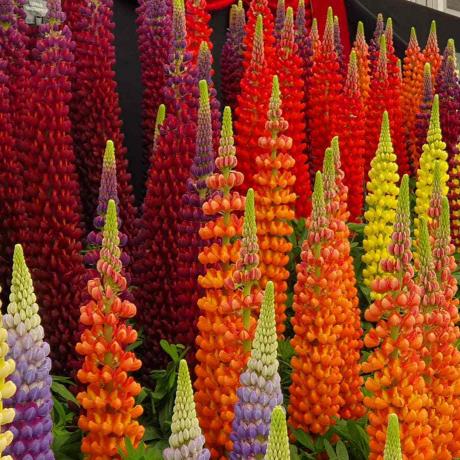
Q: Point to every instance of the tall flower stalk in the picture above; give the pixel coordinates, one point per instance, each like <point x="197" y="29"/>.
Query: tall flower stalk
<point x="32" y="402"/>
<point x="109" y="411"/>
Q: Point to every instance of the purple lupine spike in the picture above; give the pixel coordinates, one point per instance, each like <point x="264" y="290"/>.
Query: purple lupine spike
<point x="190" y="244"/>
<point x="107" y="191"/>
<point x="280" y="18"/>
<point x="339" y="46"/>
<point x="205" y="73"/>
<point x="32" y="402"/>
<point x="154" y="36"/>
<point x="301" y="20"/>
<point x="55" y="13"/>
<point x="232" y="56"/>
<point x="423" y="115"/>
<point x="7" y="11"/>
<point x="260" y="390"/>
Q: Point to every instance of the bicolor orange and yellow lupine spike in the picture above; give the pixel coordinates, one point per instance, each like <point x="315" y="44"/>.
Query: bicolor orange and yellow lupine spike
<point x="275" y="203"/>
<point x="395" y="366"/>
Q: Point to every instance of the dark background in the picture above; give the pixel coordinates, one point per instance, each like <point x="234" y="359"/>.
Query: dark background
<point x="405" y="15"/>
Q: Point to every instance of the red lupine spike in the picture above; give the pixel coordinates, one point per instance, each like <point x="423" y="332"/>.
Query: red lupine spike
<point x="386" y="94"/>
<point x="52" y="232"/>
<point x="412" y="94"/>
<point x="197" y="24"/>
<point x="155" y="260"/>
<point x="352" y="134"/>
<point x="154" y="36"/>
<point x="95" y="110"/>
<point x="289" y="65"/>
<point x="252" y="105"/>
<point x="431" y="52"/>
<point x="324" y="98"/>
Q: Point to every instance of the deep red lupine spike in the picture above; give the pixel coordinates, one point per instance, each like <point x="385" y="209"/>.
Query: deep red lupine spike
<point x="154" y="35"/>
<point x="95" y="110"/>
<point x="52" y="231"/>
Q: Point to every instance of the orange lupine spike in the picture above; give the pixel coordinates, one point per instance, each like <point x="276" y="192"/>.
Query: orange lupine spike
<point x="432" y="54"/>
<point x="440" y="353"/>
<point x="412" y="93"/>
<point x="219" y="353"/>
<point x="395" y="365"/>
<point x="275" y="201"/>
<point x="362" y="57"/>
<point x="336" y="197"/>
<point x="109" y="409"/>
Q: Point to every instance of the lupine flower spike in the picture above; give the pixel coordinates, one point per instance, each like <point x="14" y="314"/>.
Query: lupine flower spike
<point x="253" y="104"/>
<point x="216" y="373"/>
<point x="336" y="194"/>
<point x="107" y="191"/>
<point x="339" y="46"/>
<point x="393" y="443"/>
<point x="362" y="57"/>
<point x="374" y="44"/>
<point x="275" y="200"/>
<point x="423" y="117"/>
<point x="232" y="69"/>
<point x="159" y="120"/>
<point x="32" y="403"/>
<point x="186" y="441"/>
<point x="396" y="384"/>
<point x="260" y="389"/>
<point x="432" y="54"/>
<point x="278" y="441"/>
<point x="291" y="85"/>
<point x="442" y="372"/>
<point x="109" y="412"/>
<point x="412" y="93"/>
<point x="315" y="398"/>
<point x="154" y="36"/>
<point x="434" y="150"/>
<point x="279" y="19"/>
<point x="381" y="201"/>
<point x="182" y="327"/>
<point x="197" y="23"/>
<point x="7" y="391"/>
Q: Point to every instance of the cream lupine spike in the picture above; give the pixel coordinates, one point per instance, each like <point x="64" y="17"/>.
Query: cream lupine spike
<point x="434" y="150"/>
<point x="7" y="390"/>
<point x="278" y="441"/>
<point x="381" y="201"/>
<point x="186" y="440"/>
<point x="393" y="443"/>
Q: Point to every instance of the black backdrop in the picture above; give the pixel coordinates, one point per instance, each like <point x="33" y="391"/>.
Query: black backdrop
<point x="405" y="15"/>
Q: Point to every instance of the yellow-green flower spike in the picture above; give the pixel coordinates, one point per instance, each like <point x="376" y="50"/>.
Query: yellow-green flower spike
<point x="186" y="440"/>
<point x="258" y="53"/>
<point x="161" y="115"/>
<point x="382" y="62"/>
<point x="329" y="182"/>
<point x="249" y="226"/>
<point x="413" y="41"/>
<point x="318" y="213"/>
<point x="434" y="150"/>
<point x="423" y="243"/>
<point x="7" y="390"/>
<point x="314" y="32"/>
<point x="360" y="31"/>
<point x="381" y="201"/>
<point x="393" y="443"/>
<point x="278" y="441"/>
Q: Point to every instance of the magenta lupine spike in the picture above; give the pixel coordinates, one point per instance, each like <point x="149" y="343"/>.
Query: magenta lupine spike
<point x="154" y="36"/>
<point x="183" y="327"/>
<point x="232" y="57"/>
<point x="205" y="73"/>
<point x="301" y="20"/>
<point x="423" y="115"/>
<point x="155" y="259"/>
<point x="107" y="191"/>
<point x="280" y="18"/>
<point x="374" y="44"/>
<point x="32" y="425"/>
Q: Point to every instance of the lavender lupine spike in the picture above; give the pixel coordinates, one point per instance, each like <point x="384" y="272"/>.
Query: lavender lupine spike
<point x="260" y="389"/>
<point x="7" y="390"/>
<point x="186" y="441"/>
<point x="449" y="51"/>
<point x="32" y="425"/>
<point x="278" y="441"/>
<point x="301" y="20"/>
<point x="107" y="191"/>
<point x="280" y="18"/>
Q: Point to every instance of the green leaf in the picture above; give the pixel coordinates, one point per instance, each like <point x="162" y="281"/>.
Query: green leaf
<point x="342" y="453"/>
<point x="63" y="392"/>
<point x="304" y="439"/>
<point x="171" y="350"/>
<point x="330" y="450"/>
